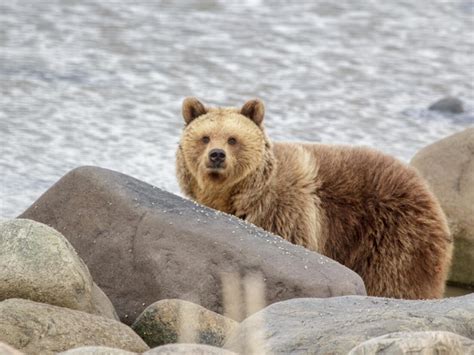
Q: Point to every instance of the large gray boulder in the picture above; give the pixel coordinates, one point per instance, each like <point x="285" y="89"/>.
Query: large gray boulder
<point x="416" y="343"/>
<point x="39" y="264"/>
<point x="178" y="321"/>
<point x="448" y="166"/>
<point x="38" y="328"/>
<point x="143" y="244"/>
<point x="336" y="325"/>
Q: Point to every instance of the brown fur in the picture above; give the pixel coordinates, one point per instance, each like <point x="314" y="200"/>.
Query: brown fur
<point x="360" y="207"/>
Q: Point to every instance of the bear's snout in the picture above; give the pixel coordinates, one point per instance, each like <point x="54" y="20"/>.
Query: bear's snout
<point x="217" y="157"/>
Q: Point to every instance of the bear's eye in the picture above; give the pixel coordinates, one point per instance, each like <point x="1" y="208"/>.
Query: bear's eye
<point x="205" y="139"/>
<point x="232" y="141"/>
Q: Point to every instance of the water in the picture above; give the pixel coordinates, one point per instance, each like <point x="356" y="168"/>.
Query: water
<point x="101" y="82"/>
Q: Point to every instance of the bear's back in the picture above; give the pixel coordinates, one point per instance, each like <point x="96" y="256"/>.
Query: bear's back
<point x="375" y="209"/>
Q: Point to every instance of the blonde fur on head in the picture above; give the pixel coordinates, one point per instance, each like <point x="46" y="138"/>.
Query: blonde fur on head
<point x="358" y="206"/>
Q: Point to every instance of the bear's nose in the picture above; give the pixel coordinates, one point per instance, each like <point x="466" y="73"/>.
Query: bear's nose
<point x="217" y="156"/>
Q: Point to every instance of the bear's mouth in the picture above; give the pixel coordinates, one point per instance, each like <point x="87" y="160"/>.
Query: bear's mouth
<point x="215" y="173"/>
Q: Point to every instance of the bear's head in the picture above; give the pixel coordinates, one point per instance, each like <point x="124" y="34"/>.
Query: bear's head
<point x="222" y="146"/>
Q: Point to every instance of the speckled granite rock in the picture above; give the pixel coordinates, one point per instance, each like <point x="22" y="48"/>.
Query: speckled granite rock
<point x="416" y="343"/>
<point x="338" y="324"/>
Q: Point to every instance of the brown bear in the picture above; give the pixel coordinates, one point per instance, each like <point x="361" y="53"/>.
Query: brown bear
<point x="355" y="205"/>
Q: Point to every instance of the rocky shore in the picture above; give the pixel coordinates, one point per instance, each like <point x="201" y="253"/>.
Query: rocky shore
<point x="103" y="263"/>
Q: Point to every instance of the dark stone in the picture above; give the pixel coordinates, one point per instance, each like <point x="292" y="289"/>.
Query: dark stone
<point x="178" y="321"/>
<point x="142" y="244"/>
<point x="448" y="104"/>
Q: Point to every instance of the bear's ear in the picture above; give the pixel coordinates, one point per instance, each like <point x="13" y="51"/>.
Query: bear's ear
<point x="192" y="108"/>
<point x="255" y="110"/>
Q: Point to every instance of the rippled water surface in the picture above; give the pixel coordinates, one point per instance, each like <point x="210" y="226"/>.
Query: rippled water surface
<point x="101" y="82"/>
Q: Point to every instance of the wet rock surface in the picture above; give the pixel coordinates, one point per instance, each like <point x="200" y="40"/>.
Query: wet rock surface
<point x="448" y="167"/>
<point x="448" y="104"/>
<point x="38" y="328"/>
<point x="336" y="325"/>
<point x="173" y="321"/>
<point x="143" y="244"/>
<point x="39" y="264"/>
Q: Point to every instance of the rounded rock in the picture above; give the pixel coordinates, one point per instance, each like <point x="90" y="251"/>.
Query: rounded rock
<point x="96" y="350"/>
<point x="178" y="321"/>
<point x="6" y="349"/>
<point x="448" y="167"/>
<point x="448" y="104"/>
<point x="338" y="324"/>
<point x="39" y="264"/>
<point x="40" y="328"/>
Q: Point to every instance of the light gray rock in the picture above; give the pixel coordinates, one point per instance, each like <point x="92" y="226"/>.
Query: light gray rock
<point x="6" y="349"/>
<point x="177" y="321"/>
<point x="96" y="350"/>
<point x="187" y="349"/>
<point x="38" y="328"/>
<point x="448" y="166"/>
<point x="336" y="325"/>
<point x="143" y="244"/>
<point x="416" y="343"/>
<point x="448" y="104"/>
<point x="39" y="264"/>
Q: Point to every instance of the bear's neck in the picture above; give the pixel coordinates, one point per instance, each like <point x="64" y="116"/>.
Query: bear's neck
<point x="255" y="190"/>
<point x="218" y="199"/>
